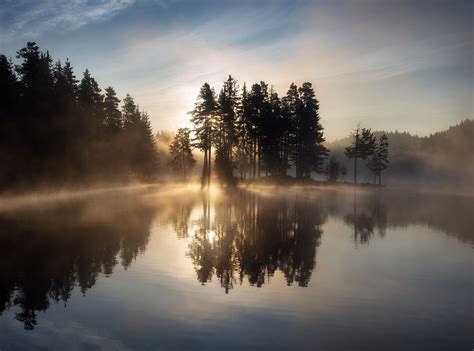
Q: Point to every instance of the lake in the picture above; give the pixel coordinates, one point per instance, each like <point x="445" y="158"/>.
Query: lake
<point x="177" y="268"/>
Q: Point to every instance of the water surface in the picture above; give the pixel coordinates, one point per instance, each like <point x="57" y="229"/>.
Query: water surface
<point x="260" y="268"/>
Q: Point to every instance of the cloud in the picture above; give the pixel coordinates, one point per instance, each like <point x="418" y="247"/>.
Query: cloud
<point x="32" y="18"/>
<point x="363" y="58"/>
<point x="369" y="67"/>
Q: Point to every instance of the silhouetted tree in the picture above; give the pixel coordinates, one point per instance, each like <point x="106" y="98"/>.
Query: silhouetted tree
<point x="36" y="121"/>
<point x="9" y="125"/>
<point x="333" y="170"/>
<point x="378" y="161"/>
<point x="226" y="128"/>
<point x="308" y="149"/>
<point x="243" y="153"/>
<point x="203" y="118"/>
<point x="113" y="116"/>
<point x="91" y="102"/>
<point x="272" y="136"/>
<point x="362" y="147"/>
<point x="180" y="150"/>
<point x="142" y="158"/>
<point x="257" y="108"/>
<point x="290" y="106"/>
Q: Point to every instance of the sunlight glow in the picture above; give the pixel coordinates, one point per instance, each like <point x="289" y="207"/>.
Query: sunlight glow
<point x="211" y="235"/>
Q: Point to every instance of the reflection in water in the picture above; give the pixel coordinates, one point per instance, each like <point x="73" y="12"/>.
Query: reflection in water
<point x="250" y="237"/>
<point x="238" y="236"/>
<point x="47" y="253"/>
<point x="366" y="219"/>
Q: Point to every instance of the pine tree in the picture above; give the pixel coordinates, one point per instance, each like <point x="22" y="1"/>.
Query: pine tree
<point x="113" y="116"/>
<point x="243" y="151"/>
<point x="203" y="118"/>
<point x="182" y="159"/>
<point x="91" y="101"/>
<point x="378" y="161"/>
<point x="141" y="154"/>
<point x="272" y="135"/>
<point x="257" y="108"/>
<point x="37" y="120"/>
<point x="68" y="144"/>
<point x="226" y="127"/>
<point x="290" y="143"/>
<point x="310" y="149"/>
<point x="333" y="170"/>
<point x="148" y="158"/>
<point x="361" y="148"/>
<point x="9" y="104"/>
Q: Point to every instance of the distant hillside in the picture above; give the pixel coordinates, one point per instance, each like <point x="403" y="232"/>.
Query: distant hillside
<point x="445" y="158"/>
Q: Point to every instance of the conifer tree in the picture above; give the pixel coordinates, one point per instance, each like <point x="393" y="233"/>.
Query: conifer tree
<point x="310" y="151"/>
<point x="244" y="128"/>
<point x="257" y="107"/>
<point x="203" y="118"/>
<point x="91" y="102"/>
<point x="378" y="161"/>
<point x="226" y="127"/>
<point x="182" y="159"/>
<point x="9" y="99"/>
<point x="290" y="143"/>
<point x="141" y="153"/>
<point x="361" y="148"/>
<point x="37" y="120"/>
<point x="333" y="170"/>
<point x="272" y="134"/>
<point x="113" y="116"/>
<point x="147" y="163"/>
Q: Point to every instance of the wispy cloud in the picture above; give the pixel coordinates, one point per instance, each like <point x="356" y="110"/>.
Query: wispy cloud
<point x="33" y="18"/>
<point x="363" y="57"/>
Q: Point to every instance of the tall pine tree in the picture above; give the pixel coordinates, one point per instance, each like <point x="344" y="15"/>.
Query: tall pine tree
<point x="203" y="117"/>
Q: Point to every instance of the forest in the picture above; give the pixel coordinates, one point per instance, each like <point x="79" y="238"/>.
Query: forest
<point x="58" y="130"/>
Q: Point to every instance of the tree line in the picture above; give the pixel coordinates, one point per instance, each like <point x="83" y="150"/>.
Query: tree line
<point x="255" y="133"/>
<point x="56" y="129"/>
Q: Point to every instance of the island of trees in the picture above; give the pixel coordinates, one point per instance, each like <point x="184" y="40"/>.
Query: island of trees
<point x="255" y="133"/>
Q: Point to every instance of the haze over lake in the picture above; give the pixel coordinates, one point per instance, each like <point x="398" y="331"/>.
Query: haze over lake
<point x="258" y="268"/>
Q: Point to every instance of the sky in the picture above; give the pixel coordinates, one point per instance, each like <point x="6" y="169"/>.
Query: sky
<point x="386" y="64"/>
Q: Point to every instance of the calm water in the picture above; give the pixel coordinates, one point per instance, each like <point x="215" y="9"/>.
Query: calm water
<point x="178" y="269"/>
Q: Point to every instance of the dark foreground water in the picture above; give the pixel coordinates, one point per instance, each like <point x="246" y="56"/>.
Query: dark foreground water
<point x="266" y="269"/>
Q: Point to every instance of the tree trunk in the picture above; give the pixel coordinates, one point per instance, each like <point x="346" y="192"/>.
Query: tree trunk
<point x="355" y="170"/>
<point x="204" y="169"/>
<point x="254" y="160"/>
<point x="209" y="167"/>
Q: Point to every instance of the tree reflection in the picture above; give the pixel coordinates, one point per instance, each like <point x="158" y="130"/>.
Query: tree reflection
<point x="367" y="217"/>
<point x="251" y="237"/>
<point x="54" y="250"/>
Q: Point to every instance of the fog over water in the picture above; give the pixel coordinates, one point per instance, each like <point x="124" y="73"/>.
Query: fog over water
<point x="176" y="267"/>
